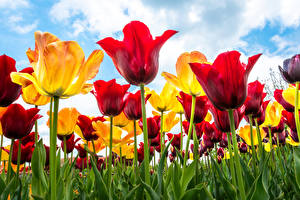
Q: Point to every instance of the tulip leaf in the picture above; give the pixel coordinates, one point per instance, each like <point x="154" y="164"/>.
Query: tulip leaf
<point x="150" y="191"/>
<point x="197" y="193"/>
<point x="2" y="185"/>
<point x="188" y="175"/>
<point x="100" y="187"/>
<point x="177" y="189"/>
<point x="130" y="194"/>
<point x="297" y="164"/>
<point x="179" y="156"/>
<point x="11" y="187"/>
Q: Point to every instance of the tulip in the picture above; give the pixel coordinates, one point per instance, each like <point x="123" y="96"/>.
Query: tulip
<point x="70" y="144"/>
<point x="81" y="151"/>
<point x="81" y="163"/>
<point x="198" y="127"/>
<point x="294" y="136"/>
<point x="208" y="143"/>
<point x="9" y="91"/>
<point x="211" y="131"/>
<point x="291" y="69"/>
<point x="220" y="152"/>
<point x="280" y="137"/>
<point x="186" y="79"/>
<point x="278" y="95"/>
<point x="176" y="141"/>
<point x="273" y="114"/>
<point x="260" y="116"/>
<point x="255" y="98"/>
<point x="140" y="151"/>
<point x="278" y="128"/>
<point x="289" y="119"/>
<point x="29" y="138"/>
<point x="153" y="124"/>
<point x="25" y="152"/>
<point x="244" y="132"/>
<point x="133" y="109"/>
<point x="86" y="129"/>
<point x="47" y="149"/>
<point x="243" y="147"/>
<point x="224" y="141"/>
<point x="170" y="120"/>
<point x="155" y="141"/>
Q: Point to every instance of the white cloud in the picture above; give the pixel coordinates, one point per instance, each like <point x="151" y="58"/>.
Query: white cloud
<point x="16" y="24"/>
<point x="13" y="4"/>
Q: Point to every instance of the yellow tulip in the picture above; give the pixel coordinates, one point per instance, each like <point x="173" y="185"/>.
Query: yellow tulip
<point x="186" y="79"/>
<point x="129" y="128"/>
<point x="31" y="96"/>
<point x="2" y="110"/>
<point x="273" y="114"/>
<point x="59" y="67"/>
<point x="289" y="95"/>
<point x="170" y="120"/>
<point x="4" y="154"/>
<point x="290" y="141"/>
<point x="166" y="100"/>
<point x="208" y="117"/>
<point x="177" y="108"/>
<point x="120" y="120"/>
<point x="67" y="118"/>
<point x="99" y="145"/>
<point x="127" y="151"/>
<point x="244" y="132"/>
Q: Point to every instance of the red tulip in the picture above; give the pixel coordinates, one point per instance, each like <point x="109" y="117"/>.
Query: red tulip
<point x="243" y="147"/>
<point x="29" y="138"/>
<point x="225" y="81"/>
<point x="110" y="96"/>
<point x="289" y="119"/>
<point x="211" y="131"/>
<point x="220" y="152"/>
<point x="294" y="135"/>
<point x="86" y="127"/>
<point x="255" y="98"/>
<point x="153" y="126"/>
<point x="208" y="143"/>
<point x="17" y="122"/>
<point x="61" y="137"/>
<point x="26" y="152"/>
<point x="70" y="143"/>
<point x="81" y="151"/>
<point x="133" y="108"/>
<point x="260" y="116"/>
<point x="9" y="91"/>
<point x="291" y="69"/>
<point x="198" y="126"/>
<point x="176" y="141"/>
<point x="140" y="152"/>
<point x="224" y="141"/>
<point x="221" y="118"/>
<point x="78" y="164"/>
<point x="279" y="98"/>
<point x="201" y="106"/>
<point x="136" y="57"/>
<point x="155" y="141"/>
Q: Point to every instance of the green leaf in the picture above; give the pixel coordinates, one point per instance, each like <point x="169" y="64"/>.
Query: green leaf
<point x="197" y="193"/>
<point x="177" y="189"/>
<point x="100" y="187"/>
<point x="150" y="191"/>
<point x="130" y="194"/>
<point x="179" y="156"/>
<point x="188" y="175"/>
<point x="2" y="185"/>
<point x="297" y="164"/>
<point x="11" y="187"/>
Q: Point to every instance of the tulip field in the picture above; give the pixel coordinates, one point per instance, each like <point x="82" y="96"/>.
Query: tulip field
<point x="210" y="133"/>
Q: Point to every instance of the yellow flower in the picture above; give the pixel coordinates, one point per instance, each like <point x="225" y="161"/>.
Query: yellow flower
<point x="170" y="120"/>
<point x="244" y="132"/>
<point x="186" y="79"/>
<point x="67" y="118"/>
<point x="120" y="120"/>
<point x="130" y="129"/>
<point x="2" y="110"/>
<point x="59" y="67"/>
<point x="178" y="107"/>
<point x="208" y="117"/>
<point x="5" y="155"/>
<point x="127" y="151"/>
<point x="166" y="100"/>
<point x="290" y="141"/>
<point x="31" y="96"/>
<point x="99" y="145"/>
<point x="273" y="114"/>
<point x="289" y="95"/>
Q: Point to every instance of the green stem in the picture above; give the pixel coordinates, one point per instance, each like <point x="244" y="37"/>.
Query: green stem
<point x="190" y="131"/>
<point x="36" y="130"/>
<point x="161" y="133"/>
<point x="135" y="150"/>
<point x="65" y="148"/>
<point x="181" y="136"/>
<point x="260" y="147"/>
<point x="231" y="164"/>
<point x="110" y="152"/>
<point x="196" y="158"/>
<point x="252" y="145"/>
<point x="270" y="138"/>
<point x="9" y="160"/>
<point x="1" y="145"/>
<point x="53" y="135"/>
<point x="94" y="149"/>
<point x="105" y="157"/>
<point x="296" y="112"/>
<point x="19" y="158"/>
<point x="145" y="133"/>
<point x="236" y="156"/>
<point x="121" y="157"/>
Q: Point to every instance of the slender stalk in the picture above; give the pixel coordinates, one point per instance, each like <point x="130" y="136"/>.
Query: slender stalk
<point x="82" y="164"/>
<point x="72" y="156"/>
<point x="196" y="158"/>
<point x="110" y="152"/>
<point x="53" y="135"/>
<point x="135" y="150"/>
<point x="121" y="157"/>
<point x="145" y="133"/>
<point x="236" y="156"/>
<point x="231" y="164"/>
<point x="9" y="161"/>
<point x="252" y="145"/>
<point x="36" y="130"/>
<point x="296" y="112"/>
<point x="270" y="138"/>
<point x="1" y="145"/>
<point x="260" y="147"/>
<point x="161" y="133"/>
<point x="19" y="158"/>
<point x="190" y="131"/>
<point x="65" y="148"/>
<point x="105" y="157"/>
<point x="181" y="136"/>
<point x="94" y="148"/>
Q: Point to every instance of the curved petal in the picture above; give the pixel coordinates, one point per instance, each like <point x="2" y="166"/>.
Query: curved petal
<point x="156" y="101"/>
<point x="175" y="81"/>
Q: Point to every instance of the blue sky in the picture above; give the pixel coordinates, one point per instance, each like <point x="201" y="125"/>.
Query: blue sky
<point x="270" y="27"/>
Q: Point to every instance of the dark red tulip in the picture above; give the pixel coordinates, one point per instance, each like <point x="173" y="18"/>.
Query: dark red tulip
<point x="9" y="91"/>
<point x="17" y="122"/>
<point x="176" y="141"/>
<point x="225" y="81"/>
<point x="110" y="96"/>
<point x="221" y="118"/>
<point x="279" y="98"/>
<point x="243" y="147"/>
<point x="255" y="98"/>
<point x="224" y="141"/>
<point x="153" y="125"/>
<point x="61" y="137"/>
<point x="291" y="69"/>
<point x="81" y="151"/>
<point x="78" y="164"/>
<point x="140" y="152"/>
<point x="157" y="148"/>
<point x="289" y="119"/>
<point x="29" y="138"/>
<point x="294" y="135"/>
<point x="198" y="126"/>
<point x="208" y="143"/>
<point x="260" y="116"/>
<point x="70" y="143"/>
<point x="155" y="141"/>
<point x="133" y="108"/>
<point x="86" y="127"/>
<point x="220" y="152"/>
<point x="219" y="159"/>
<point x="47" y="149"/>
<point x="201" y="106"/>
<point x="211" y="131"/>
<point x="26" y="152"/>
<point x="136" y="57"/>
<point x="281" y="137"/>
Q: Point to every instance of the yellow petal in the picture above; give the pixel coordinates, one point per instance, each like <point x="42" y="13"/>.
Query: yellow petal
<point x="129" y="128"/>
<point x="4" y="154"/>
<point x="290" y="141"/>
<point x="175" y="81"/>
<point x="289" y="95"/>
<point x="244" y="132"/>
<point x="155" y="101"/>
<point x="208" y="117"/>
<point x="102" y="129"/>
<point x="170" y="120"/>
<point x="31" y="96"/>
<point x="2" y="111"/>
<point x="120" y="120"/>
<point x="67" y="118"/>
<point x="273" y="114"/>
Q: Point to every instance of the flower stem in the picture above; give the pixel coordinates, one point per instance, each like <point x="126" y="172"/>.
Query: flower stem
<point x="231" y="164"/>
<point x="19" y="158"/>
<point x="181" y="136"/>
<point x="236" y="156"/>
<point x="65" y="148"/>
<point x="270" y="138"/>
<point x="259" y="139"/>
<point x="252" y="145"/>
<point x="1" y="145"/>
<point x="9" y="161"/>
<point x="145" y="133"/>
<point x="135" y="149"/>
<point x="94" y="148"/>
<point x="36" y="130"/>
<point x="161" y="133"/>
<point x="296" y="112"/>
<point x="53" y="135"/>
<point x="110" y="152"/>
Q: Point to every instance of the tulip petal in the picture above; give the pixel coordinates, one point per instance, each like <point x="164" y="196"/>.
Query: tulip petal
<point x="251" y="62"/>
<point x="175" y="81"/>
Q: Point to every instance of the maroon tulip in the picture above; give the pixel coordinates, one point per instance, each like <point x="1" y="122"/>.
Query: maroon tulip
<point x="26" y="152"/>
<point x="201" y="106"/>
<point x="221" y="118"/>
<point x="17" y="122"/>
<point x="225" y="81"/>
<point x="110" y="96"/>
<point x="243" y="147"/>
<point x="291" y="69"/>
<point x="78" y="164"/>
<point x="153" y="126"/>
<point x="294" y="135"/>
<point x="81" y="151"/>
<point x="289" y="119"/>
<point x="155" y="141"/>
<point x="198" y="126"/>
<point x="136" y="57"/>
<point x="140" y="152"/>
<point x="255" y="98"/>
<point x="260" y="116"/>
<point x="133" y="108"/>
<point x="224" y="141"/>
<point x="279" y="98"/>
<point x="9" y="91"/>
<point x="70" y="143"/>
<point x="220" y="152"/>
<point x="61" y="137"/>
<point x="176" y="141"/>
<point x="208" y="143"/>
<point x="211" y="131"/>
<point x="86" y="127"/>
<point x="29" y="138"/>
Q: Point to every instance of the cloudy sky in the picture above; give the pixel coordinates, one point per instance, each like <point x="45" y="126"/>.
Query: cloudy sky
<point x="270" y="27"/>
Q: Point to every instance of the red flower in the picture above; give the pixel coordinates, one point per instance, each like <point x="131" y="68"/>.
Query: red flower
<point x="208" y="143"/>
<point x="47" y="149"/>
<point x="17" y="122"/>
<point x="153" y="126"/>
<point x="225" y="81"/>
<point x="9" y="91"/>
<point x="29" y="138"/>
<point x="26" y="152"/>
<point x="86" y="127"/>
<point x="70" y="143"/>
<point x="81" y="151"/>
<point x="198" y="126"/>
<point x="136" y="57"/>
<point x="201" y="107"/>
<point x="176" y="141"/>
<point x="221" y="118"/>
<point x="220" y="152"/>
<point x="255" y="98"/>
<point x="224" y="141"/>
<point x="279" y="98"/>
<point x="110" y="96"/>
<point x="243" y="147"/>
<point x="211" y="131"/>
<point x="133" y="108"/>
<point x="260" y="116"/>
<point x="155" y="141"/>
<point x="78" y="164"/>
<point x="291" y="69"/>
<point x="289" y="119"/>
<point x="140" y="152"/>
